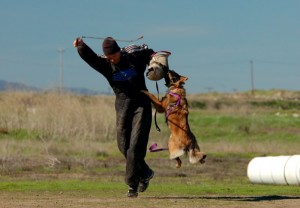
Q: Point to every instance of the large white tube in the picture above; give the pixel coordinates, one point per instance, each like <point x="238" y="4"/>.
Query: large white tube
<point x="268" y="170"/>
<point x="278" y="168"/>
<point x="292" y="170"/>
<point x="275" y="170"/>
<point x="253" y="170"/>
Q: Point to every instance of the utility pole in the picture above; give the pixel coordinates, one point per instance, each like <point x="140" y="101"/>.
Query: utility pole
<point x="252" y="77"/>
<point x="61" y="69"/>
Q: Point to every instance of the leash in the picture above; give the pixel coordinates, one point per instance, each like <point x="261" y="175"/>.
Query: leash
<point x="101" y="38"/>
<point x="153" y="148"/>
<point x="155" y="121"/>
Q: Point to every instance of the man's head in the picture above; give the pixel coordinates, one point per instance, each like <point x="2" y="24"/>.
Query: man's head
<point x="110" y="46"/>
<point x="111" y="50"/>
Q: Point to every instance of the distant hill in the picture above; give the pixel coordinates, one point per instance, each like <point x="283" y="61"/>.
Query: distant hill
<point x="15" y="86"/>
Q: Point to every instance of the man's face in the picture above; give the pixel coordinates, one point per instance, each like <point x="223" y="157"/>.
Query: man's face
<point x="114" y="58"/>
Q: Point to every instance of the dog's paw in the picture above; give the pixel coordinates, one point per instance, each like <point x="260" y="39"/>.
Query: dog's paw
<point x="202" y="159"/>
<point x="178" y="164"/>
<point x="145" y="92"/>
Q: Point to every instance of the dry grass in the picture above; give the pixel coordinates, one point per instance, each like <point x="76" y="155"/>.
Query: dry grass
<point x="58" y="116"/>
<point x="52" y="130"/>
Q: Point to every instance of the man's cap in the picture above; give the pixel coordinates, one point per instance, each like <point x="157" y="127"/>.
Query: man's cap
<point x="110" y="46"/>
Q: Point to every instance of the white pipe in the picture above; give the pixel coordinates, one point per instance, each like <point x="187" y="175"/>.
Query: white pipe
<point x="292" y="170"/>
<point x="275" y="170"/>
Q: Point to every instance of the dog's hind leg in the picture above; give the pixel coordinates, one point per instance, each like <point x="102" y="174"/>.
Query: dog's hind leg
<point x="196" y="156"/>
<point x="178" y="165"/>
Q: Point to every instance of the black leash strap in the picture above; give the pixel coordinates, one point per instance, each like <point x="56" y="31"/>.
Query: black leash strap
<point x="157" y="127"/>
<point x="157" y="90"/>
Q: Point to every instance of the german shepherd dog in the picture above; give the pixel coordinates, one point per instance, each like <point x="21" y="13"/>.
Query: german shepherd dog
<point x="174" y="104"/>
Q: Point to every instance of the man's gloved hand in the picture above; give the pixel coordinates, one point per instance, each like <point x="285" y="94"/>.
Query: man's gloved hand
<point x="78" y="42"/>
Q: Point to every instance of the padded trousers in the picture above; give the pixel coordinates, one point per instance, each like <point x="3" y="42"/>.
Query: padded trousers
<point x="134" y="117"/>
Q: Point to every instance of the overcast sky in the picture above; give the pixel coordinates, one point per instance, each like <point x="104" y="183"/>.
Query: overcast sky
<point x="212" y="42"/>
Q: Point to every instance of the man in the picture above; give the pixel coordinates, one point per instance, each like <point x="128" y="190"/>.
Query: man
<point x="124" y="71"/>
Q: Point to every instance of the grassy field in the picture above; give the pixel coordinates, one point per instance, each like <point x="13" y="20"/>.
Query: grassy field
<point x="59" y="150"/>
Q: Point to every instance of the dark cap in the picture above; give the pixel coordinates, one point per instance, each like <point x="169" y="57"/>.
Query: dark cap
<point x="110" y="46"/>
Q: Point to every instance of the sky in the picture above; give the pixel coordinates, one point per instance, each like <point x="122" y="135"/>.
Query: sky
<point x="213" y="42"/>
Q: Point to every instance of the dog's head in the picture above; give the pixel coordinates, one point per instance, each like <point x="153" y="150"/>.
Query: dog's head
<point x="175" y="79"/>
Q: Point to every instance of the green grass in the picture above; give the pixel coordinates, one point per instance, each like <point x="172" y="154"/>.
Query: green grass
<point x="59" y="185"/>
<point x="260" y="126"/>
<point x="19" y="134"/>
<point x="239" y="127"/>
<point x="175" y="188"/>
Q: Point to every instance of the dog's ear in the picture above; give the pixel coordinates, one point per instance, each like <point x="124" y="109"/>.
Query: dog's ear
<point x="183" y="78"/>
<point x="181" y="81"/>
<point x="173" y="76"/>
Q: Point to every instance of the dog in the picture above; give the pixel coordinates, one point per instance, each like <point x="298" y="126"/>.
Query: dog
<point x="175" y="106"/>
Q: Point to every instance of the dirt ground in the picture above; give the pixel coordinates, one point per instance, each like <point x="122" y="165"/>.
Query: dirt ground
<point x="84" y="200"/>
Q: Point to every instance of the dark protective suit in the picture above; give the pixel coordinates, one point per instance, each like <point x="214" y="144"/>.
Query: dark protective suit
<point x="133" y="108"/>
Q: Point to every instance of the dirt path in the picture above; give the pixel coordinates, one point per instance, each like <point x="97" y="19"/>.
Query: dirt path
<point x="78" y="199"/>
